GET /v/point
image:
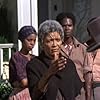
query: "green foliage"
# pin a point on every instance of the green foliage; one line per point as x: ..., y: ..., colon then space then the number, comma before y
x: 5, y: 89
x: 3, y: 39
x: 5, y: 54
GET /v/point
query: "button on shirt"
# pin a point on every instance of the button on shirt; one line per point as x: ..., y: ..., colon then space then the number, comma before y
x: 80, y: 57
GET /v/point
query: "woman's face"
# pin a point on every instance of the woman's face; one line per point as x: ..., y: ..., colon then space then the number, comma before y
x: 29, y: 42
x: 52, y: 43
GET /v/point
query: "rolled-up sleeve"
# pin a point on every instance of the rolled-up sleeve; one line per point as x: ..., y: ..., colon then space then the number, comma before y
x: 88, y: 61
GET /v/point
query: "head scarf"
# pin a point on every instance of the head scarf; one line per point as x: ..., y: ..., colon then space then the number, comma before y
x: 25, y: 31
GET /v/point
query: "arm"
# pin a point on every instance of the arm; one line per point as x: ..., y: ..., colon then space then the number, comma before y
x: 88, y: 84
x: 17, y: 71
x: 41, y: 86
x: 88, y: 75
x: 57, y: 64
x: 24, y: 82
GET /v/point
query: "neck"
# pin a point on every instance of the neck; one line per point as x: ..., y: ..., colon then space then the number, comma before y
x: 26, y: 54
x: 69, y: 40
x: 23, y: 51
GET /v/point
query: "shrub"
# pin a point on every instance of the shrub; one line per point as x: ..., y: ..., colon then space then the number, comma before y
x: 5, y: 89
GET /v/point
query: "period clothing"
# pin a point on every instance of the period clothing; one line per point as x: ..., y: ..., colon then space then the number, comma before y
x: 96, y: 75
x: 78, y: 54
x: 66, y: 84
x: 17, y: 72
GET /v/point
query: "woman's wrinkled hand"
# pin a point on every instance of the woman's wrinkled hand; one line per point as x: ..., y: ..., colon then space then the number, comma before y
x: 57, y: 65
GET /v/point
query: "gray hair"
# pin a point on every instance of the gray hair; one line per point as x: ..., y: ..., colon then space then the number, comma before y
x: 49, y: 26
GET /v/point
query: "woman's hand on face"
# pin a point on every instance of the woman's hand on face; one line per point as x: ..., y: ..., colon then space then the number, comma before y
x: 57, y: 65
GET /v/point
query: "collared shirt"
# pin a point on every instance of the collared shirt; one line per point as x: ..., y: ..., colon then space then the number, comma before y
x: 80, y: 57
x: 96, y: 67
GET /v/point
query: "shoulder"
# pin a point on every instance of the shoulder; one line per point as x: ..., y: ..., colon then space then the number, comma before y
x: 80, y: 45
x: 15, y: 54
x: 16, y: 57
x: 34, y: 60
x: 70, y: 64
x: 34, y: 64
x: 35, y: 67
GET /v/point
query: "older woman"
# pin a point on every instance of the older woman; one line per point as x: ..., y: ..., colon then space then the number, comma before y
x: 52, y: 76
x: 17, y: 64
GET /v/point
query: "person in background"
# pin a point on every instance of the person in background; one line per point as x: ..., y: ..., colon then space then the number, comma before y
x: 93, y: 27
x: 52, y: 76
x: 17, y: 64
x: 77, y: 53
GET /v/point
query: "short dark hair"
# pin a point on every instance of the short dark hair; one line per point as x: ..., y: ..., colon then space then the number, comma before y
x: 63, y: 15
x: 25, y: 31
